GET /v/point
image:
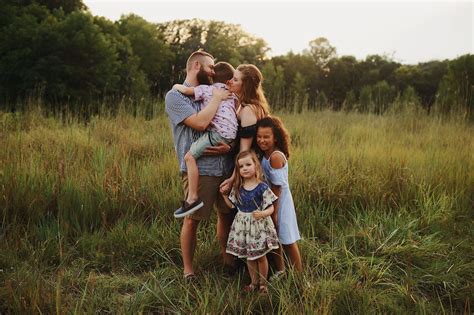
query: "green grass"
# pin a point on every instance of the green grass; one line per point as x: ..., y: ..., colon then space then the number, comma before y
x: 384, y: 203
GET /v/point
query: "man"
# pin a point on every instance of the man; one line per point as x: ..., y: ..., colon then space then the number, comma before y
x: 187, y: 121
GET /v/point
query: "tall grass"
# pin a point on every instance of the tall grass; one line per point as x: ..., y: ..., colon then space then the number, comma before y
x: 384, y: 205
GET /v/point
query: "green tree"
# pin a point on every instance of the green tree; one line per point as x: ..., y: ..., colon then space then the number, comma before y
x: 133, y: 81
x: 456, y: 91
x: 29, y: 51
x: 365, y: 103
x: 90, y: 60
x: 300, y: 96
x: 274, y: 84
x: 322, y: 101
x: 321, y: 51
x: 382, y: 95
x: 339, y: 77
x: 424, y: 78
x: 349, y: 101
x: 408, y: 103
x: 154, y: 54
x: 227, y: 42
x: 67, y: 6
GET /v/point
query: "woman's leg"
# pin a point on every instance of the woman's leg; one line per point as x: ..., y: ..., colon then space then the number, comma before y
x: 277, y: 259
x: 293, y: 253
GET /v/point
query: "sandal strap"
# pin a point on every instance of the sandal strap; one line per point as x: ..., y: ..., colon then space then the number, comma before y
x: 250, y: 287
x: 188, y: 276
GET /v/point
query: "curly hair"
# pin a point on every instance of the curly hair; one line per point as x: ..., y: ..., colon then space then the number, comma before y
x: 282, y: 136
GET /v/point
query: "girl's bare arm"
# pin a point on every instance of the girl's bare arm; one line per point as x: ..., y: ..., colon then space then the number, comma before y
x: 263, y: 213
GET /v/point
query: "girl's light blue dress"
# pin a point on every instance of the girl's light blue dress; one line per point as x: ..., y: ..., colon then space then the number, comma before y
x: 288, y: 231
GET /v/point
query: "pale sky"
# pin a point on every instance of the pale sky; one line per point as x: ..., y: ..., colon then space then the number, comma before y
x: 409, y: 32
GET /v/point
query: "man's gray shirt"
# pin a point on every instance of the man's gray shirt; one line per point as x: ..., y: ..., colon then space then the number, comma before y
x: 179, y: 107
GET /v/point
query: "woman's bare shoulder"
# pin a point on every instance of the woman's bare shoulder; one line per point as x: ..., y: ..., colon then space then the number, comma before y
x: 247, y: 115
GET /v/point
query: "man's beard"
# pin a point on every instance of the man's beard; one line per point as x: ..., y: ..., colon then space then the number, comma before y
x: 203, y: 77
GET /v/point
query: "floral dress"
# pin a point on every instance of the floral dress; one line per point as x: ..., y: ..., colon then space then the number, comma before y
x: 249, y: 237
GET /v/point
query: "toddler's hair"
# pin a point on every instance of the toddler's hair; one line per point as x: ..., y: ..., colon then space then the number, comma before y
x: 223, y: 72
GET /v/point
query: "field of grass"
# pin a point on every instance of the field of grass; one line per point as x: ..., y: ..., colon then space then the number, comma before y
x: 384, y: 203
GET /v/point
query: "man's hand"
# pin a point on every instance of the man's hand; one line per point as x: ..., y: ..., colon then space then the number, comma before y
x: 220, y: 148
x: 221, y: 94
x: 226, y: 185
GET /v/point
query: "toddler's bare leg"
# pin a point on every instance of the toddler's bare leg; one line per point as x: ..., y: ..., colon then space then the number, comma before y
x: 253, y: 270
x: 193, y: 177
x: 262, y: 269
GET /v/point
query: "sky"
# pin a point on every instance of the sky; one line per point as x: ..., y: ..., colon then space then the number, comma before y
x: 407, y: 31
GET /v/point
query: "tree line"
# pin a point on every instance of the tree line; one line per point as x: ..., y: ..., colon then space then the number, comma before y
x: 59, y: 51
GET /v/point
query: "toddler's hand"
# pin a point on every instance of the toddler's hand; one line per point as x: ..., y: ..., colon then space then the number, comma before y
x: 175, y: 86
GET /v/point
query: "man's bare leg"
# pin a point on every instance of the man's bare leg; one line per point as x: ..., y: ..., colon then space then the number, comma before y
x: 188, y: 239
x: 224, y: 222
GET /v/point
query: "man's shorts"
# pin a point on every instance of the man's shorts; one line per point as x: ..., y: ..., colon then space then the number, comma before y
x: 208, y: 191
x: 208, y: 139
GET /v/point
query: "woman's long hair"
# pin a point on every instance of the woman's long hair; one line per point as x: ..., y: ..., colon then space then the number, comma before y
x: 282, y: 136
x: 252, y: 90
x: 238, y: 182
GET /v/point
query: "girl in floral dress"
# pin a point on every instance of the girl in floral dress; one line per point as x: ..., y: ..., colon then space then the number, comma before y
x: 252, y: 234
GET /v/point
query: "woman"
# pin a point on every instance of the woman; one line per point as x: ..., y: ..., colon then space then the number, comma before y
x: 247, y: 85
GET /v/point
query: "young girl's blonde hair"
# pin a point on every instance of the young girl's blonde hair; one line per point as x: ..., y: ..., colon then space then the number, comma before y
x: 252, y: 91
x: 238, y: 182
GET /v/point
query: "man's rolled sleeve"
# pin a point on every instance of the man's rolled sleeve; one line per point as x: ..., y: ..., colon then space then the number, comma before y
x: 178, y: 107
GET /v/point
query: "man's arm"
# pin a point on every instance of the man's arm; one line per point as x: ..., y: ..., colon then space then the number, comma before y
x: 202, y: 119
